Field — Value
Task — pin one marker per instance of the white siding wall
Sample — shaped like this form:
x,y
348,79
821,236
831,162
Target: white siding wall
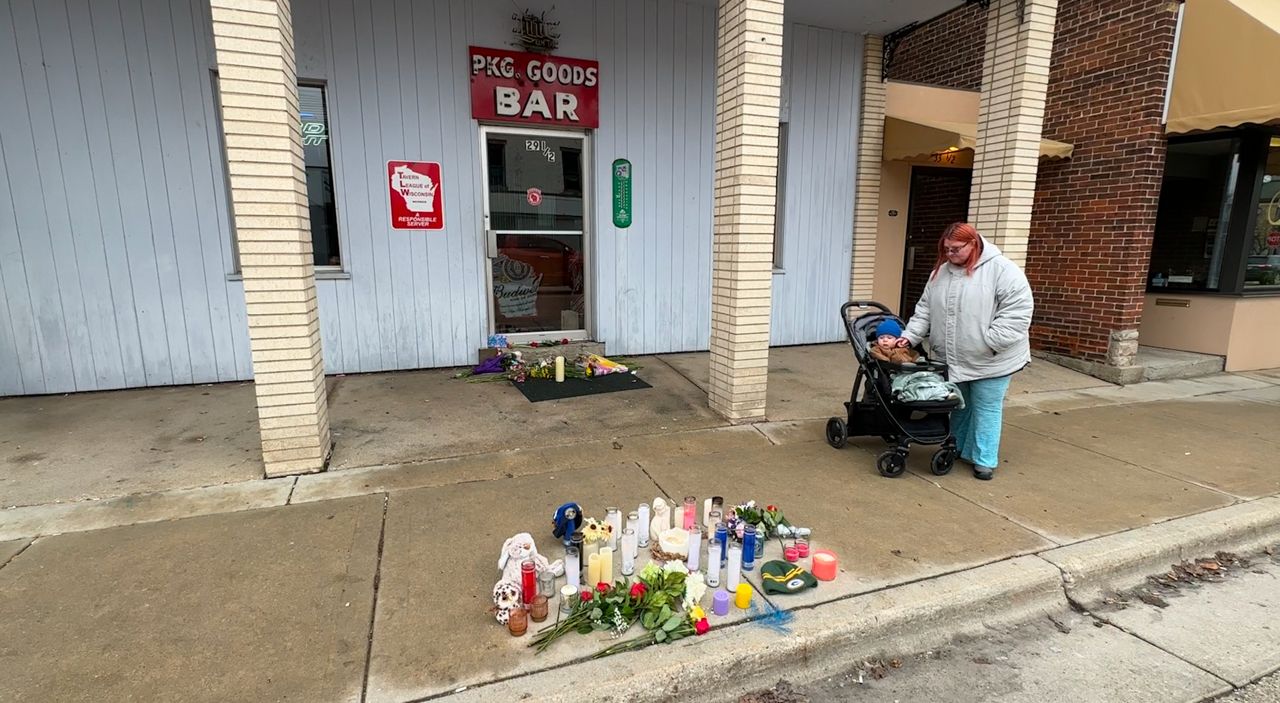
x,y
114,234
820,89
113,218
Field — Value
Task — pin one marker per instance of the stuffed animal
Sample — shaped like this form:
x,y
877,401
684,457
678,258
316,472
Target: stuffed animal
x,y
661,519
519,548
506,598
568,518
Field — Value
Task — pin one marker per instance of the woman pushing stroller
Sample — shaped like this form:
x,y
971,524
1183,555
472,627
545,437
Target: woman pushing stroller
x,y
975,313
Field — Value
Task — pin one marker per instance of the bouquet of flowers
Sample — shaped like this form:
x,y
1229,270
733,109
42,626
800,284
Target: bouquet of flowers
x,y
766,519
653,600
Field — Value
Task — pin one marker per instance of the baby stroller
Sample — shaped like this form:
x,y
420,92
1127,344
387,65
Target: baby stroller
x,y
873,411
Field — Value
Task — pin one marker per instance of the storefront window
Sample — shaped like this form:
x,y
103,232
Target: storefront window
x,y
1262,265
314,114
1193,218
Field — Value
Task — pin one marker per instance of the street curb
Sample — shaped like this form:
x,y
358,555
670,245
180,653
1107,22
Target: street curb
x,y
730,661
1116,562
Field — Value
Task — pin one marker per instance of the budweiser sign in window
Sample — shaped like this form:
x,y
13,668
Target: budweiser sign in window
x,y
513,86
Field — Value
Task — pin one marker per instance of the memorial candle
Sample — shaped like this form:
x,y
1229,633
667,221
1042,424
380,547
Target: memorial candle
x,y
749,548
824,565
528,581
573,567
633,524
593,570
743,597
628,552
642,531
695,548
606,566
690,512
734,572
559,369
722,537
613,516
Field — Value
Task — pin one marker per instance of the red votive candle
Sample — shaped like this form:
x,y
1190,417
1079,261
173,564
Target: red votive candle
x,y
802,548
791,554
824,565
528,582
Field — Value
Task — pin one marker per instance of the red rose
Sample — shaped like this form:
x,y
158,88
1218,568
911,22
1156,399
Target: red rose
x,y
586,596
565,340
771,508
701,626
533,344
637,589
602,587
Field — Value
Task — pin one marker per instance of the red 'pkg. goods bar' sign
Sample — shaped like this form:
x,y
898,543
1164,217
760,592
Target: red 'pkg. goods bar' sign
x,y
513,86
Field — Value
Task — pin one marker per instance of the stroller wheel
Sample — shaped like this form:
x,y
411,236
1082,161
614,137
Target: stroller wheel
x,y
942,461
891,464
837,433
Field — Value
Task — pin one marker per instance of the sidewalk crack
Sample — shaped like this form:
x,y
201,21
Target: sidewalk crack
x,y
373,608
293,487
1084,611
25,547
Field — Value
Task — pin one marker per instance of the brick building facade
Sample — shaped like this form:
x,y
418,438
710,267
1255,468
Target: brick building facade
x,y
1094,214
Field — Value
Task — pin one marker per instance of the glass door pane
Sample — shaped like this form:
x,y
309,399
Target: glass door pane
x,y
536,210
1262,267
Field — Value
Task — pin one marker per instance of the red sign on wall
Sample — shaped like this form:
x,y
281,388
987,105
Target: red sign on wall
x,y
417,198
512,86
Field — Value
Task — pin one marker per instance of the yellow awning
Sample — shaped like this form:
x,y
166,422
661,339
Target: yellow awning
x,y
921,120
1224,73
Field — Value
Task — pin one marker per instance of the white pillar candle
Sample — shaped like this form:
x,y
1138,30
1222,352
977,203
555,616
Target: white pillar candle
x,y
695,548
706,512
628,552
642,530
606,566
734,568
573,568
593,570
713,564
559,369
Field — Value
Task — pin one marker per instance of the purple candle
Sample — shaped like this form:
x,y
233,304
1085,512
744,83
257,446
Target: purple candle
x,y
720,602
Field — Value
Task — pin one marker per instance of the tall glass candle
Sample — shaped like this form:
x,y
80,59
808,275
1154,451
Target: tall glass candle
x,y
628,552
749,548
712,566
573,567
613,516
690,512
734,572
706,512
642,532
722,537
714,519
528,581
593,570
633,524
568,597
695,547
606,565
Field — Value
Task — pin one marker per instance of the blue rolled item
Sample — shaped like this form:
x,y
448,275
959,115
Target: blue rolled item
x,y
722,536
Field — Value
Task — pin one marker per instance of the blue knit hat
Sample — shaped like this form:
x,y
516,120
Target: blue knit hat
x,y
889,327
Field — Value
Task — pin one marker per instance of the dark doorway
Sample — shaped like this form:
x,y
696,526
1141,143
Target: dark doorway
x,y
939,196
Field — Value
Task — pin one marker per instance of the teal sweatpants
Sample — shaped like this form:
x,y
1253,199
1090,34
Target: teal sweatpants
x,y
977,426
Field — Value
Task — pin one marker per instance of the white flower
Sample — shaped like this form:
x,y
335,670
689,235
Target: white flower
x,y
675,566
694,588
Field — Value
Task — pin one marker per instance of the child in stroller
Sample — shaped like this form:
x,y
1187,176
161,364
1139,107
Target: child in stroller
x,y
875,410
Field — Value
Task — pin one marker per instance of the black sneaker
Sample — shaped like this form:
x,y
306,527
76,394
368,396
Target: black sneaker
x,y
982,473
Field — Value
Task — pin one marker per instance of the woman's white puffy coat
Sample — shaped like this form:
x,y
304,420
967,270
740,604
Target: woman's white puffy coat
x,y
978,324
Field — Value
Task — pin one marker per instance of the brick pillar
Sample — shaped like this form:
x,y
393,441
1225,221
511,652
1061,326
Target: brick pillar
x,y
259,90
748,87
866,213
1015,77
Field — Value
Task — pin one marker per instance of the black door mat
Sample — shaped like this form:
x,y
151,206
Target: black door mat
x,y
540,389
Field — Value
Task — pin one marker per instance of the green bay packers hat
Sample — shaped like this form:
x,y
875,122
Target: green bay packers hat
x,y
785,577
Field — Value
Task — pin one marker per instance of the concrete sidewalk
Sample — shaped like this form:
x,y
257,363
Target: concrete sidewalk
x,y
372,584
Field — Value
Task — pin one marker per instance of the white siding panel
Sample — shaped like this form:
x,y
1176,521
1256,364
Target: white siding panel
x,y
114,234
819,90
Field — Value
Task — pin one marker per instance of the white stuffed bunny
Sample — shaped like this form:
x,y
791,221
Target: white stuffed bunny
x,y
519,548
